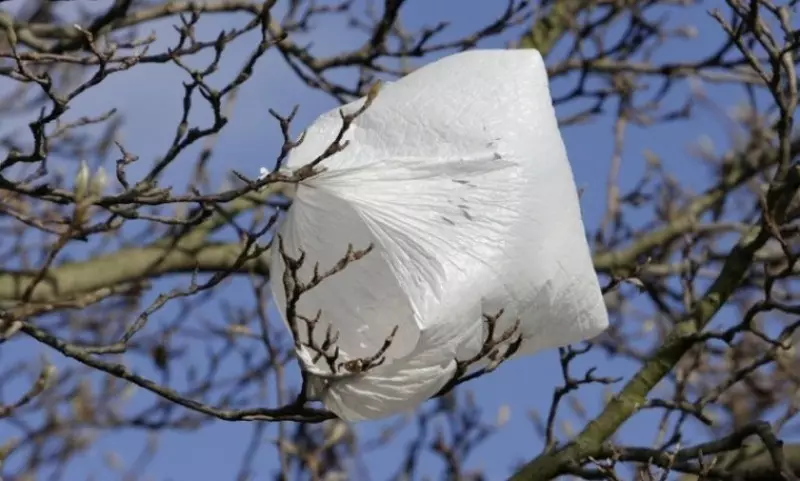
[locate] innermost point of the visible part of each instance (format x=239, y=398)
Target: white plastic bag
x=458, y=176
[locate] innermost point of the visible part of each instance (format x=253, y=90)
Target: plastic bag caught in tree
x=458, y=178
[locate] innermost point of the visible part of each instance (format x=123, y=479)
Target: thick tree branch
x=754, y=463
x=125, y=266
x=634, y=395
x=184, y=253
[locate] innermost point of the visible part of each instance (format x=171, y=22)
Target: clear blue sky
x=149, y=97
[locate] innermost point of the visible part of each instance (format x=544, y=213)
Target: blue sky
x=149, y=98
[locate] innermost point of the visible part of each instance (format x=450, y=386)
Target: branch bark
x=754, y=463
x=634, y=395
x=180, y=254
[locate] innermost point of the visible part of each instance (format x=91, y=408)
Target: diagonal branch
x=634, y=395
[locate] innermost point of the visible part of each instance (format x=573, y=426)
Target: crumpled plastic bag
x=458, y=177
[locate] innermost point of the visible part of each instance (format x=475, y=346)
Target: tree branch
x=634, y=395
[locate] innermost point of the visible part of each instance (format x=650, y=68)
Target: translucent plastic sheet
x=458, y=177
